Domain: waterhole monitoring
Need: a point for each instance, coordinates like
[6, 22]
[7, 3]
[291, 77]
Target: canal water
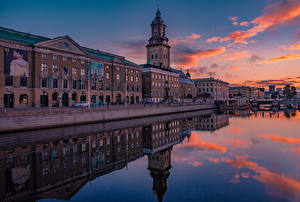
[198, 156]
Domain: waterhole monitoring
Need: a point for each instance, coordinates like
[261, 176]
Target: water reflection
[59, 163]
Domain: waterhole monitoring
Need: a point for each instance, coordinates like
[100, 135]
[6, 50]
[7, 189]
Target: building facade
[212, 89]
[42, 72]
[160, 83]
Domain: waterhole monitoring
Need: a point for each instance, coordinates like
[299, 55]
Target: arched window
[93, 99]
[137, 99]
[119, 98]
[23, 99]
[155, 56]
[132, 99]
[152, 57]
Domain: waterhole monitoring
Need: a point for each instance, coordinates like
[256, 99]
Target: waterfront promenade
[26, 119]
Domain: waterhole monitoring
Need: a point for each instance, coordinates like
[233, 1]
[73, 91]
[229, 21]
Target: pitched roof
[23, 37]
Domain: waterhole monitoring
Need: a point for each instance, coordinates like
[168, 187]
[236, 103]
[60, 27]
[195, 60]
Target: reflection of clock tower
[158, 50]
[159, 165]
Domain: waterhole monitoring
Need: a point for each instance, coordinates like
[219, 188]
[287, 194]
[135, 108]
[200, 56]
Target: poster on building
[96, 70]
[16, 62]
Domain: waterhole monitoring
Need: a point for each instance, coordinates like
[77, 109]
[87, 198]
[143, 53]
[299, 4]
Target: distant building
[240, 92]
[272, 89]
[187, 87]
[210, 88]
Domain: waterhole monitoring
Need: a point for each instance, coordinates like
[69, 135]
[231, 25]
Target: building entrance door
[8, 100]
[44, 100]
[65, 99]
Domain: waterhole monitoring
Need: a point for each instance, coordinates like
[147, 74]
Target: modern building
[38, 71]
[160, 83]
[211, 89]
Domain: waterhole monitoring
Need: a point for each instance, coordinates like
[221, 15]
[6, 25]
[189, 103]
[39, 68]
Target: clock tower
[158, 50]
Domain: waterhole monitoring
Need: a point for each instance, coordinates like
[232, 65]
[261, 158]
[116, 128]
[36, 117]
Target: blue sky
[123, 27]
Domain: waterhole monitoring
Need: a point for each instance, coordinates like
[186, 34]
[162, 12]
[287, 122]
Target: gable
[64, 43]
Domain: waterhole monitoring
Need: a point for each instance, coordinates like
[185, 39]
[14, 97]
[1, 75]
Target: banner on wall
[97, 70]
[16, 62]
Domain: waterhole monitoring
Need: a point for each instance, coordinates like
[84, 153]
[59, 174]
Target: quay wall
[31, 122]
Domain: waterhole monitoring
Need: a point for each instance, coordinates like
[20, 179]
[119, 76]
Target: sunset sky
[248, 42]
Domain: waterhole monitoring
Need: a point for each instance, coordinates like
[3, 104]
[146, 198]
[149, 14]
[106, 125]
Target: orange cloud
[236, 55]
[195, 142]
[235, 23]
[277, 138]
[212, 39]
[233, 19]
[295, 46]
[237, 143]
[296, 150]
[244, 24]
[188, 39]
[235, 131]
[285, 57]
[234, 68]
[275, 14]
[190, 58]
[214, 160]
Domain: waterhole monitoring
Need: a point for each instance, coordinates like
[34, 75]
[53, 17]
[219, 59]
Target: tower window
[156, 56]
[152, 57]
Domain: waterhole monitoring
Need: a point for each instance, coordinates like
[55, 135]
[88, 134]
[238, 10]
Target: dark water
[199, 156]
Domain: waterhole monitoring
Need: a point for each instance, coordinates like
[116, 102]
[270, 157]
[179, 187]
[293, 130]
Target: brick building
[39, 71]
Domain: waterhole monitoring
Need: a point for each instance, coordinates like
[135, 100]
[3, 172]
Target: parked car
[82, 104]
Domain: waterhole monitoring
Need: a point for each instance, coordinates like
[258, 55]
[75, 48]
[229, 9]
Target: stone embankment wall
[30, 122]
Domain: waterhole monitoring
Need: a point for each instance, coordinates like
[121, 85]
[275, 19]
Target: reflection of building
[212, 122]
[60, 167]
[158, 141]
[159, 165]
[40, 71]
[210, 88]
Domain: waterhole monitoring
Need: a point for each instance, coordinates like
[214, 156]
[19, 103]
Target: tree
[289, 92]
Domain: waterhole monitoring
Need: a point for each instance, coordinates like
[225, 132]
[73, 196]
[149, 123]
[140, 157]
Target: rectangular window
[73, 60]
[136, 79]
[44, 67]
[65, 70]
[23, 81]
[131, 78]
[82, 72]
[55, 83]
[8, 80]
[55, 57]
[65, 59]
[74, 84]
[44, 82]
[118, 85]
[118, 76]
[44, 55]
[54, 68]
[94, 86]
[82, 62]
[65, 84]
[107, 86]
[74, 71]
[107, 75]
[82, 84]
[101, 85]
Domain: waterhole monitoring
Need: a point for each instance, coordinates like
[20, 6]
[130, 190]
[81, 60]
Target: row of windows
[164, 77]
[56, 57]
[165, 56]
[65, 70]
[9, 81]
[162, 85]
[54, 83]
